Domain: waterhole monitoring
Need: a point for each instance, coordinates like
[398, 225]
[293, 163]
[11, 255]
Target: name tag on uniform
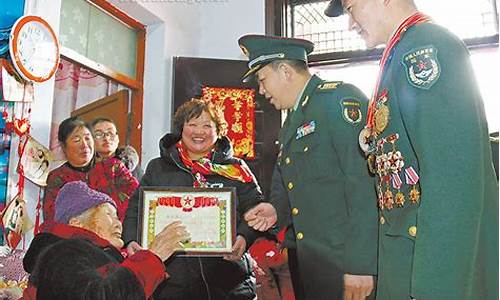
[305, 129]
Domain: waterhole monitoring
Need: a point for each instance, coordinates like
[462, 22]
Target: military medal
[414, 195]
[381, 118]
[396, 161]
[412, 179]
[380, 195]
[400, 199]
[365, 141]
[371, 161]
[388, 199]
[397, 183]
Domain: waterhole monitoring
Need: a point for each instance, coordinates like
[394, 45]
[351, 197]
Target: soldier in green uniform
[426, 139]
[321, 190]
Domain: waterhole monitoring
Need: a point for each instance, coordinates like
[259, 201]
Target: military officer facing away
[426, 139]
[321, 190]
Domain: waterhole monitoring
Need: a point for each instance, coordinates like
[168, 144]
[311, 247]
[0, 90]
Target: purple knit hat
[76, 197]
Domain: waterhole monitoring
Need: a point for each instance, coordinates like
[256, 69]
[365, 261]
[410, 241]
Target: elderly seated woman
[79, 257]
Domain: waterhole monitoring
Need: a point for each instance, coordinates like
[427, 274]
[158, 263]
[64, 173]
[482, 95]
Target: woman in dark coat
[199, 155]
[79, 256]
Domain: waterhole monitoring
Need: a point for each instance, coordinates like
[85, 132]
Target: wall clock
[34, 48]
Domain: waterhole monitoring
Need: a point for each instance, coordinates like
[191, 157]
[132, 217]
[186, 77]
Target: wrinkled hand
[169, 240]
[133, 247]
[239, 247]
[357, 287]
[261, 217]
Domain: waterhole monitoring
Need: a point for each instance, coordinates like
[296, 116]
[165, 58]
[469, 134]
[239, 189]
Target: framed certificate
[209, 215]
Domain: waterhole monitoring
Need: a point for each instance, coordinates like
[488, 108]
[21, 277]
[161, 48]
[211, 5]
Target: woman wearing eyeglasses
[108, 176]
[106, 146]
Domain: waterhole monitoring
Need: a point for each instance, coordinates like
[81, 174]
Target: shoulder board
[330, 85]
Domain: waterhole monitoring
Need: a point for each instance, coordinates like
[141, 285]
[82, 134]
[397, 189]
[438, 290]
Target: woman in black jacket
[199, 155]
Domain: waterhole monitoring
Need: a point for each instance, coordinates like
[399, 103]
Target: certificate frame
[214, 208]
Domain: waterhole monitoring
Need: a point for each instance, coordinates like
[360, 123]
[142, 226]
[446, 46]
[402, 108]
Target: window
[99, 37]
[341, 54]
[306, 19]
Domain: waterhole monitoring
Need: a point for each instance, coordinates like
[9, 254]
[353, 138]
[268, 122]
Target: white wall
[201, 28]
[41, 111]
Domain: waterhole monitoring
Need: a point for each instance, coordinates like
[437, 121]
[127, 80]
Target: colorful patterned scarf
[204, 166]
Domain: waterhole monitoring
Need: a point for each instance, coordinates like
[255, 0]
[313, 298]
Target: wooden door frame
[136, 85]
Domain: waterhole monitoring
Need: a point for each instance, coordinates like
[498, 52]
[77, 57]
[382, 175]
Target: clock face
[34, 49]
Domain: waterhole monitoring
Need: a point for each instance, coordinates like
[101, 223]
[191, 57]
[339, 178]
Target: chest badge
[306, 129]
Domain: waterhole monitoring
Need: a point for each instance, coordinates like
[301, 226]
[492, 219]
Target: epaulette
[330, 85]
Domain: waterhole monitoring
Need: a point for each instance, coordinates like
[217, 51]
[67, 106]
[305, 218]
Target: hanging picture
[238, 107]
[36, 161]
[16, 221]
[13, 89]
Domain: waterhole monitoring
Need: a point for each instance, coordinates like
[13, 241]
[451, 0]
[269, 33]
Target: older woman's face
[105, 224]
[79, 148]
[199, 135]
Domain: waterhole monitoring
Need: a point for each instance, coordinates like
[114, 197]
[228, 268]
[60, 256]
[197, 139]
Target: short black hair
[68, 126]
[299, 66]
[101, 120]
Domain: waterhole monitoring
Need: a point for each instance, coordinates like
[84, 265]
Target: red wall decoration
[238, 107]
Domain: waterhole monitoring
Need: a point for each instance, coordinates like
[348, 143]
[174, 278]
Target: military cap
[262, 49]
[334, 9]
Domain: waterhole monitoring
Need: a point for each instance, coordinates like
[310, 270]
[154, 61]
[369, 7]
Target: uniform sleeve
[249, 195]
[279, 199]
[362, 238]
[447, 128]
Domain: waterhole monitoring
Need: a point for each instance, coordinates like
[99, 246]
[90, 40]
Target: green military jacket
[443, 243]
[322, 190]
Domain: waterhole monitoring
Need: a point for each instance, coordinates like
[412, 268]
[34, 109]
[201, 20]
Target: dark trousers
[295, 274]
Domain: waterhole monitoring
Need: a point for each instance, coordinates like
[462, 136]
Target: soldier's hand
[238, 249]
[357, 287]
[261, 217]
[169, 240]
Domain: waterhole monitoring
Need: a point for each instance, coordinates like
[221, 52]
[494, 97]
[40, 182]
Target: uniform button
[295, 211]
[412, 231]
[300, 235]
[287, 160]
[290, 185]
[382, 220]
[306, 149]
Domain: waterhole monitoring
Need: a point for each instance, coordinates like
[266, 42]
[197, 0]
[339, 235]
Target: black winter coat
[191, 278]
[72, 263]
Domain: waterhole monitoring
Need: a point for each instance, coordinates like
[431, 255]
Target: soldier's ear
[285, 70]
